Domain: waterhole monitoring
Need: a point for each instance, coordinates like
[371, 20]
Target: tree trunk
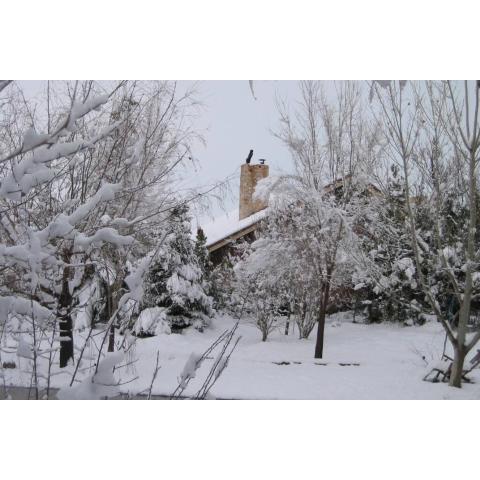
[457, 367]
[65, 321]
[355, 306]
[287, 325]
[264, 336]
[321, 322]
[320, 334]
[301, 324]
[465, 308]
[111, 339]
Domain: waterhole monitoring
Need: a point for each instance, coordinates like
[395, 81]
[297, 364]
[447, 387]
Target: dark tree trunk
[355, 307]
[111, 339]
[65, 321]
[287, 324]
[320, 334]
[321, 321]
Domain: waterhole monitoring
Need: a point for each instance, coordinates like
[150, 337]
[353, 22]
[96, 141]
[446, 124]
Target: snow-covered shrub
[305, 312]
[257, 296]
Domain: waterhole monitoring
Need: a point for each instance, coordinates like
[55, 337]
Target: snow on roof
[228, 224]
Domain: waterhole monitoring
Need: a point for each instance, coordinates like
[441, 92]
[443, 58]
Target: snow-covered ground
[382, 362]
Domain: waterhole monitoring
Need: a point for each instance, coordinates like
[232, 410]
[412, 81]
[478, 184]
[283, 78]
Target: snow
[390, 365]
[24, 349]
[106, 234]
[104, 194]
[152, 320]
[134, 281]
[102, 384]
[406, 265]
[385, 361]
[32, 139]
[189, 370]
[228, 224]
[79, 110]
[24, 307]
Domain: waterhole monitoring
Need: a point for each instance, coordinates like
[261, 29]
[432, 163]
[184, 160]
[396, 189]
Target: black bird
[250, 155]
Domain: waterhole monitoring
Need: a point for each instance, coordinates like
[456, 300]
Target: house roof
[226, 227]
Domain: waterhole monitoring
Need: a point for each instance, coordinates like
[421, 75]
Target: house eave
[232, 237]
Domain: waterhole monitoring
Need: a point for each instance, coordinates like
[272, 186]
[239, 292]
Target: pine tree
[176, 280]
[222, 284]
[204, 262]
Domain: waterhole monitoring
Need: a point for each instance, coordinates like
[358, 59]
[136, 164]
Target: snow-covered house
[242, 222]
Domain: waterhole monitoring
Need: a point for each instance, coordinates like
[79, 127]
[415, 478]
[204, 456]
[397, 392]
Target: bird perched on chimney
[250, 155]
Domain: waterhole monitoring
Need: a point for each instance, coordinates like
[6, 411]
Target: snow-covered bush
[256, 297]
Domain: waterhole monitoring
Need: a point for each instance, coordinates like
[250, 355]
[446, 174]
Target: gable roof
[227, 227]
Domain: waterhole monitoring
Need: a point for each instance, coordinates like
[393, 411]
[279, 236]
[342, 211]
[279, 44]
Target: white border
[239, 439]
[239, 40]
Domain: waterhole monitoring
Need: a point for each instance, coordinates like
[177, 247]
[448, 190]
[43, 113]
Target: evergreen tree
[393, 295]
[176, 280]
[203, 257]
[222, 285]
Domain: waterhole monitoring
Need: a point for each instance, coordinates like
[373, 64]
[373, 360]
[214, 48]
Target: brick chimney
[249, 177]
